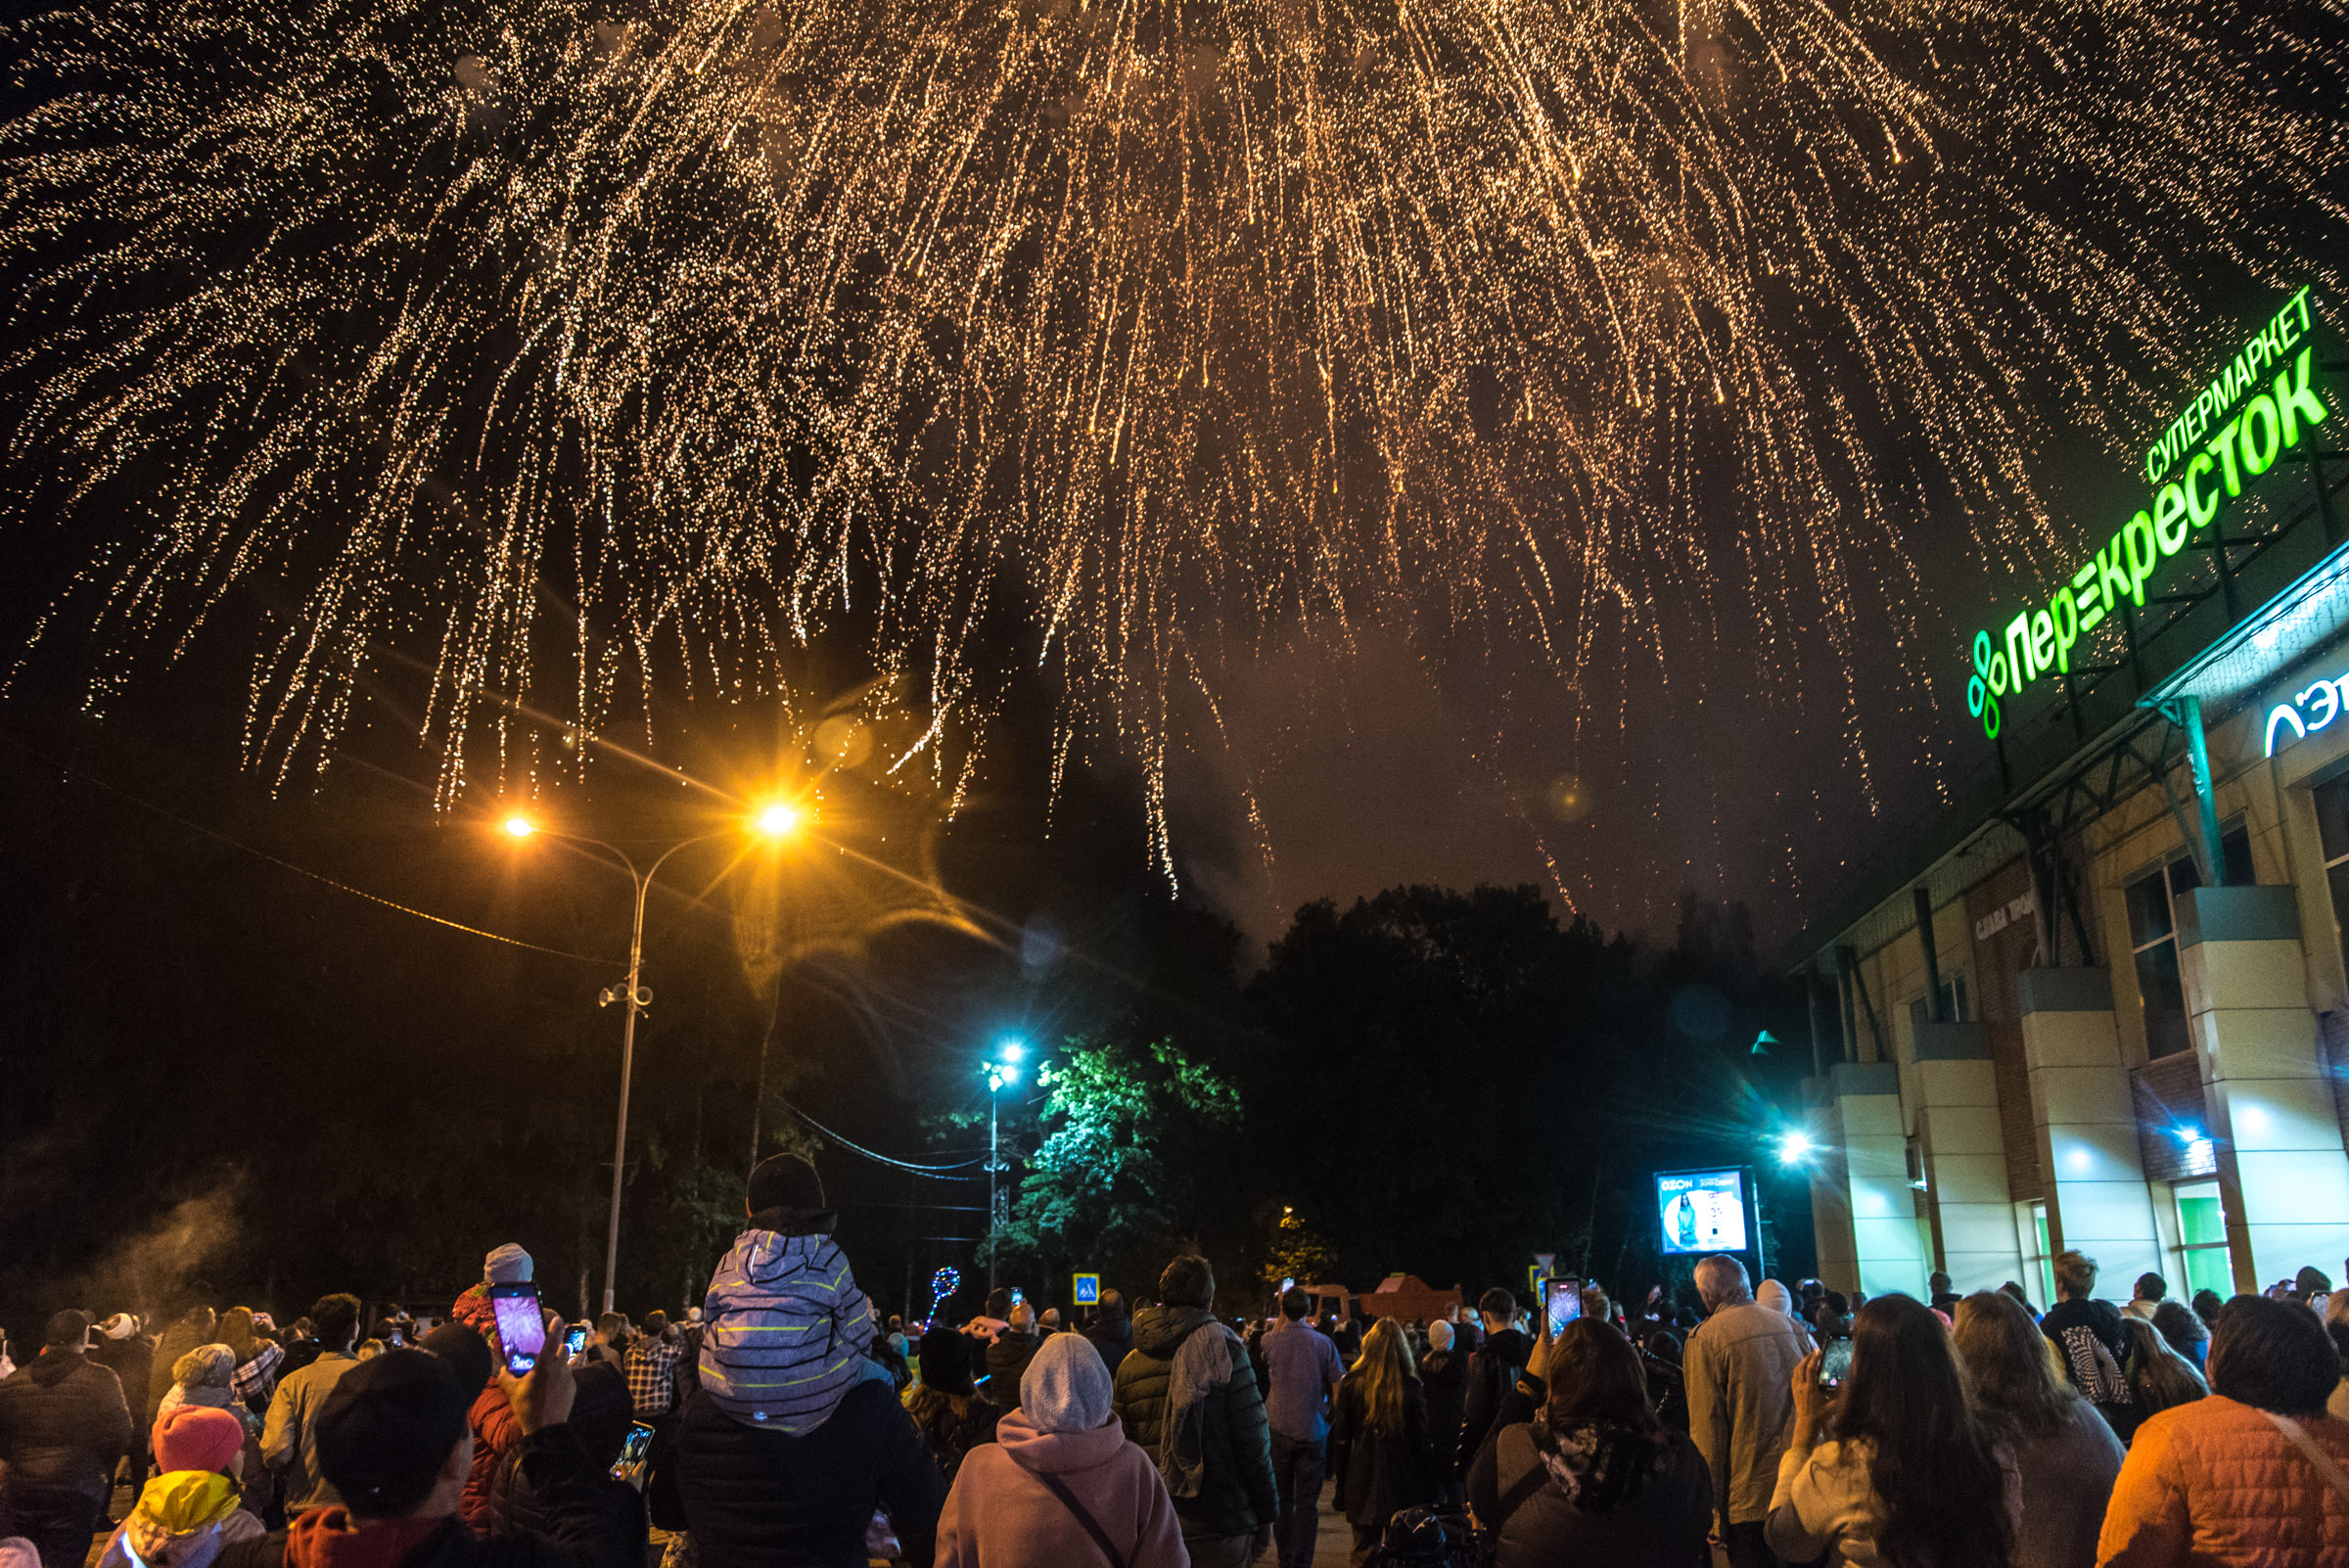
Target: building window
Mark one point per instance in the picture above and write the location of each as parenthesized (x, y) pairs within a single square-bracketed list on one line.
[(2332, 833), (2203, 1240), (2153, 938), (2043, 1263)]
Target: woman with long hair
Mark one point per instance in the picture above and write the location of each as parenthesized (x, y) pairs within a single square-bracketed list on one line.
[(1896, 1467), (2158, 1376), (2063, 1449), (1379, 1444), (257, 1359), (1595, 1477), (947, 1406)]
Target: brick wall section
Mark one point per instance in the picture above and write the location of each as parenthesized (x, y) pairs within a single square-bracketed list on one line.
[(2169, 1096)]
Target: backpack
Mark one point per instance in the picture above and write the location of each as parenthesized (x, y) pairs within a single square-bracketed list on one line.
[(1428, 1537)]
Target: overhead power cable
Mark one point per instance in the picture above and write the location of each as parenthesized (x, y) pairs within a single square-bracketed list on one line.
[(301, 870), (935, 1172)]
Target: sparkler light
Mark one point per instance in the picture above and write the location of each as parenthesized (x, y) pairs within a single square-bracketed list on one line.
[(567, 352)]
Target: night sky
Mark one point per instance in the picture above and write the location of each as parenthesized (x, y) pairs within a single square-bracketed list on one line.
[(1743, 697)]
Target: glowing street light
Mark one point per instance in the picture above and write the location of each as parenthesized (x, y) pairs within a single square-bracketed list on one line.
[(1794, 1148), (1004, 1069), (775, 821)]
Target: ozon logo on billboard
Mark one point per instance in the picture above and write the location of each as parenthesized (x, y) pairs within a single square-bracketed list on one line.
[(2255, 410)]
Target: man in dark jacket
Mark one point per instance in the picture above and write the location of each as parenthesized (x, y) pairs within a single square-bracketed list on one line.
[(393, 1440), (1112, 1332), (125, 1351), (63, 1424), (792, 1436), (1188, 1397), (1009, 1356), (1492, 1371)]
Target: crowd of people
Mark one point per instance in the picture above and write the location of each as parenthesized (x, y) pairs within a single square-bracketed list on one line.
[(785, 1424)]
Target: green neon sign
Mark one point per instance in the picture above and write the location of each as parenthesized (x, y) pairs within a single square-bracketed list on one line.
[(2266, 403)]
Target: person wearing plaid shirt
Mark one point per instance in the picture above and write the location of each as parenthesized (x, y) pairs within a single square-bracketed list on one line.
[(256, 1377), (652, 1370)]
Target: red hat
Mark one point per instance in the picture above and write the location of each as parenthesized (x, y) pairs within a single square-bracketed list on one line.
[(197, 1437)]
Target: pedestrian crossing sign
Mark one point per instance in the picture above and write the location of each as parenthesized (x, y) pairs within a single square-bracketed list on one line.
[(1088, 1290)]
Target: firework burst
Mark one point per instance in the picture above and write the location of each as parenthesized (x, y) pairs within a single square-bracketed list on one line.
[(592, 352)]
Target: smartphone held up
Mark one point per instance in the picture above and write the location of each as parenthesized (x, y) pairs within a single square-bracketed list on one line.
[(1561, 1304), (520, 1324)]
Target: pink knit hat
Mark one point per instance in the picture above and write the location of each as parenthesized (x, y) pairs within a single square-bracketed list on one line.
[(196, 1437)]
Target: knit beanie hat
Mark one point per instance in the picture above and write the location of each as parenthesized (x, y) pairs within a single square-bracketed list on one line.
[(508, 1264), (1067, 1387), (787, 1330), (1439, 1335), (205, 1366), (464, 1349), (196, 1437), (388, 1427), (785, 1195), (946, 1361)]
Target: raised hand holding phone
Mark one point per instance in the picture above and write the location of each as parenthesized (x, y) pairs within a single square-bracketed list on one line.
[(520, 1324)]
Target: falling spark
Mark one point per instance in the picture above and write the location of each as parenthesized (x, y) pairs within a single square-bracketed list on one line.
[(567, 352)]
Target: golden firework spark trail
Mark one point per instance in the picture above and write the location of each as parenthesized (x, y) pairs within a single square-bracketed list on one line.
[(533, 340)]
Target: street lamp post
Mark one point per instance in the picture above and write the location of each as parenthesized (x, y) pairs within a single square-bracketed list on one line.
[(775, 822), (1003, 1069)]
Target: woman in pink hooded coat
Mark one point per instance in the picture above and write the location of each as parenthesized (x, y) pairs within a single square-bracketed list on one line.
[(1060, 1484)]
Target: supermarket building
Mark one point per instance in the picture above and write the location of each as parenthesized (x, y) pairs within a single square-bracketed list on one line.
[(2103, 1001)]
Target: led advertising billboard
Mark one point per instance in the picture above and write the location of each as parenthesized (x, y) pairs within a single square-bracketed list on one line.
[(1703, 1211)]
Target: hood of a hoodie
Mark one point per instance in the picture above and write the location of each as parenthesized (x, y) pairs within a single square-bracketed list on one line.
[(473, 1309), (786, 1331), (54, 1366), (329, 1537), (1058, 1453), (178, 1513), (1159, 1331)]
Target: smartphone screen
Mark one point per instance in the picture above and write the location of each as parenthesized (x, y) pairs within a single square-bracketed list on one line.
[(521, 1325), (576, 1340), (1834, 1362), (1561, 1303), (638, 1445), (1016, 1297)]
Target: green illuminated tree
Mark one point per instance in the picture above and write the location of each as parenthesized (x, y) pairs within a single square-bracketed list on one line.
[(1114, 1182)]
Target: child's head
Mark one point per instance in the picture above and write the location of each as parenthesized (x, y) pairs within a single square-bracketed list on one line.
[(197, 1437)]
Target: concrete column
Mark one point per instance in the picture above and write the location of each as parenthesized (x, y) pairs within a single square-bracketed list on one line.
[(2283, 1175), (1830, 1187), (1964, 1156), (1875, 1150), (2086, 1120)]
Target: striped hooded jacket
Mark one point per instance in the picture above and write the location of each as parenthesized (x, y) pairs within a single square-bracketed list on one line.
[(787, 1332)]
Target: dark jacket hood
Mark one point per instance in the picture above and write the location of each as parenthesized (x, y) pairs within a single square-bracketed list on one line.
[(53, 1367), (1158, 1330)]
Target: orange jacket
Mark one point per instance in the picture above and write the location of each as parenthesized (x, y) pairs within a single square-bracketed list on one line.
[(2214, 1485)]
